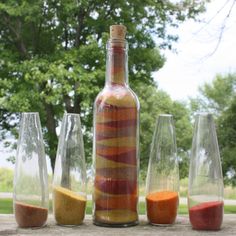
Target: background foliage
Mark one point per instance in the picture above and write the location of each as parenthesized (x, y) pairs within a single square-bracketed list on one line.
[(219, 97)]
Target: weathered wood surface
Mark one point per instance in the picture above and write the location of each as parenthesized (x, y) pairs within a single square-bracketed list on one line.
[(182, 227)]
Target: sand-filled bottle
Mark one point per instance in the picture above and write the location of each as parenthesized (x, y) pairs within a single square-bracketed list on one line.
[(69, 181), (206, 188), (116, 138), (162, 183), (30, 175)]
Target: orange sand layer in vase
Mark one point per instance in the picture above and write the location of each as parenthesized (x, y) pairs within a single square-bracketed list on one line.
[(162, 207)]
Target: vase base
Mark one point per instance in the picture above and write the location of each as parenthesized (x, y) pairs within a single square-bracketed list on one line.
[(121, 225)]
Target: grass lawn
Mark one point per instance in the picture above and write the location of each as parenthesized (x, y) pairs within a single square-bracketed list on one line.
[(6, 208)]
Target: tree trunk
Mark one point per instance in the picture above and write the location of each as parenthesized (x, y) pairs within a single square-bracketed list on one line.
[(77, 99), (52, 136)]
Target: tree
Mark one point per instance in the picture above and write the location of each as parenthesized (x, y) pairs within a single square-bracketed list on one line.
[(52, 54), (227, 140), (219, 97), (216, 96), (154, 102)]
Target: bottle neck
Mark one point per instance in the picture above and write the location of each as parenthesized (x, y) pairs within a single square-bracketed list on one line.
[(117, 63)]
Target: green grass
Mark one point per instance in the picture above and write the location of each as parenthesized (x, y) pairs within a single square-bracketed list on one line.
[(230, 209), (6, 208)]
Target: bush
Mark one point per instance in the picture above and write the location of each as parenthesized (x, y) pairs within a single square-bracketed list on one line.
[(6, 180)]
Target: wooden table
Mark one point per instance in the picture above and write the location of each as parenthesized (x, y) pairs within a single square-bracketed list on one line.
[(182, 227)]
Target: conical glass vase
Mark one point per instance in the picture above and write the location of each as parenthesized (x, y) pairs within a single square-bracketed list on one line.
[(69, 181), (205, 192), (162, 183), (30, 175)]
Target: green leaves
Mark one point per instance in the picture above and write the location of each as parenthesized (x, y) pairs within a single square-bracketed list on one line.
[(216, 96), (154, 102), (219, 97)]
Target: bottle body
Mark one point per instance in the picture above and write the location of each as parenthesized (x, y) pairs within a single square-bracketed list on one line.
[(31, 200), (205, 194), (116, 119), (115, 144), (162, 184), (69, 181)]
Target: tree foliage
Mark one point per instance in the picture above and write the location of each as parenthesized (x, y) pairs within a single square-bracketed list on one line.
[(53, 55), (227, 139), (154, 102), (215, 96), (220, 98)]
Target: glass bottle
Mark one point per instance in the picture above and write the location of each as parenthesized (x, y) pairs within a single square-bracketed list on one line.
[(69, 181), (162, 183), (116, 138), (205, 191), (30, 196)]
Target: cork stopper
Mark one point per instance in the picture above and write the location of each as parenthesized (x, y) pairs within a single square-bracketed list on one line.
[(117, 32)]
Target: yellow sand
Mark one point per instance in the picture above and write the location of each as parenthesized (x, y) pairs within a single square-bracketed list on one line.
[(116, 216), (119, 98), (102, 162), (69, 207)]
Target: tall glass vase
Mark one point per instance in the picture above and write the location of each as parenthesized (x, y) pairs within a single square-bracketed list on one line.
[(116, 138), (69, 181), (162, 183), (205, 196), (30, 176)]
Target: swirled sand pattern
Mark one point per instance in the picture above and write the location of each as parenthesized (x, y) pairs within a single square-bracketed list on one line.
[(115, 192)]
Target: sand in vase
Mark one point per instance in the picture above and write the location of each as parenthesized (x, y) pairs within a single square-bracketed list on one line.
[(162, 207), (69, 207), (27, 215)]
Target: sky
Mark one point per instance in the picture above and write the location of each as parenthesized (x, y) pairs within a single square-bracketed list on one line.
[(192, 65)]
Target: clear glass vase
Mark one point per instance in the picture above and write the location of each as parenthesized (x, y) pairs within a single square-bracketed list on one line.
[(205, 192), (116, 141), (69, 181), (162, 183), (30, 197)]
